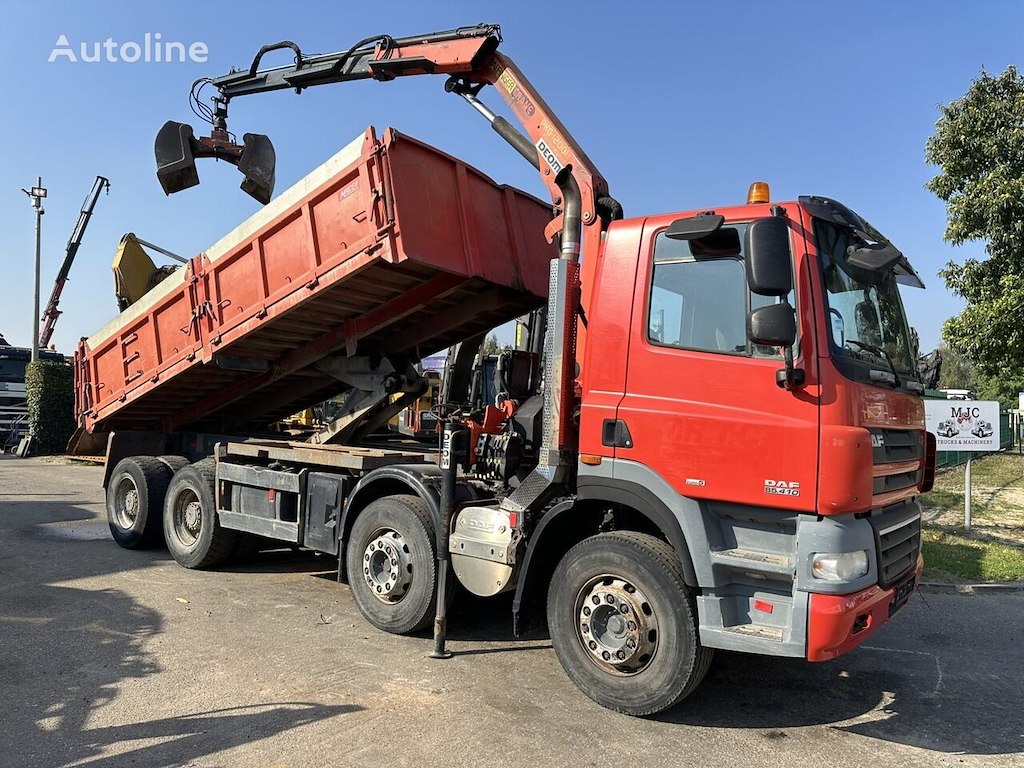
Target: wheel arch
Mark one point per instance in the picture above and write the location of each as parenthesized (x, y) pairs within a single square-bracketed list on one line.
[(644, 502), (398, 479), (633, 507)]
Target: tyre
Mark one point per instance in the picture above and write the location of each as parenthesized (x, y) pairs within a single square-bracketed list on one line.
[(135, 501), (193, 533), (623, 623), (391, 564), (174, 463)]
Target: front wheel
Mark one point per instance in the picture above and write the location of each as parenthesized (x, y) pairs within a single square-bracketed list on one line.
[(623, 623)]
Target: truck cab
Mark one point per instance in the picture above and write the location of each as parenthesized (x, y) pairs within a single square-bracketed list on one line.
[(797, 502)]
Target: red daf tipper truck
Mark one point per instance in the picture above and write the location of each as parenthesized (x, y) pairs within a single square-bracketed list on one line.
[(710, 434)]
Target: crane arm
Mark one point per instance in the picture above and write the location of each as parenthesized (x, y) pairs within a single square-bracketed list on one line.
[(380, 57), (468, 55), (51, 312)]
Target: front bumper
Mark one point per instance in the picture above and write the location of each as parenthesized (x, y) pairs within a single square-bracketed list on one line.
[(837, 624)]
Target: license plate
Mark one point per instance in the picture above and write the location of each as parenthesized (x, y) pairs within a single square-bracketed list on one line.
[(903, 592)]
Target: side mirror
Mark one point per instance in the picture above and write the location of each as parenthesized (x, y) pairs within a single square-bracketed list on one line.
[(257, 164), (772, 326), (175, 161), (769, 263)]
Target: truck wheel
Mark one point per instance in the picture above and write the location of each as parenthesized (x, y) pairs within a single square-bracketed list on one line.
[(174, 463), (135, 499), (193, 532), (623, 623), (391, 564)]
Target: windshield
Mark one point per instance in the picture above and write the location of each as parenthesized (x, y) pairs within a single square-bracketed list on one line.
[(12, 370), (866, 317)]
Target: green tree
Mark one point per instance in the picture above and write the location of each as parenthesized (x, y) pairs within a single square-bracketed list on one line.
[(978, 146), (50, 391), (491, 346), (1004, 388), (957, 371)]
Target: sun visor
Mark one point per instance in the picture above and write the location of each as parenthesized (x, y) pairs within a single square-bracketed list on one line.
[(837, 213)]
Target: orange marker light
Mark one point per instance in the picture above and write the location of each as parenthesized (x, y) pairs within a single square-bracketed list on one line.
[(590, 459), (758, 193)]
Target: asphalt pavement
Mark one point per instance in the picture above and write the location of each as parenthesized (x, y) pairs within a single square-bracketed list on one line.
[(117, 658)]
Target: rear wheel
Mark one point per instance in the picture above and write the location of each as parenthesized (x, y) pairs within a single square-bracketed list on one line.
[(174, 463), (391, 564), (135, 500), (194, 535), (623, 623)]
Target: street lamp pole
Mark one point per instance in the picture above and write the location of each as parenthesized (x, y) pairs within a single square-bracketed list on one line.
[(36, 195)]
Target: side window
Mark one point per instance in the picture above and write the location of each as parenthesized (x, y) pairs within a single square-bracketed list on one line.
[(666, 313), (698, 296), (699, 305)]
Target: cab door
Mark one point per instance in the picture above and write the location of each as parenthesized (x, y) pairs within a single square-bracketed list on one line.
[(701, 405)]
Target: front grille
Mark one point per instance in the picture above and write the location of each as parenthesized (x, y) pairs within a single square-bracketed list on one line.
[(897, 542), (886, 483), (896, 445), (892, 446)]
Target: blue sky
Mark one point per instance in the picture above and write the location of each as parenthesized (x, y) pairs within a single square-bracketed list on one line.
[(681, 105)]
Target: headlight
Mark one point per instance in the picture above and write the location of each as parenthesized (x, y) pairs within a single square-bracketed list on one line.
[(839, 566)]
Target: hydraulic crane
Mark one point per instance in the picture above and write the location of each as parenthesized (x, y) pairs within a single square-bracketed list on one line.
[(468, 55), (51, 313)]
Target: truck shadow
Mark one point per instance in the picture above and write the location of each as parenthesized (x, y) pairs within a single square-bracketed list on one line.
[(894, 694), (67, 651), (884, 693)]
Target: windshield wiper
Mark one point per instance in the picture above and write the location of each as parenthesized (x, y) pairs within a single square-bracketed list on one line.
[(881, 353)]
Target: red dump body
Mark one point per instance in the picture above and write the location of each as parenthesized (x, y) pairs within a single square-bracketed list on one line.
[(391, 246)]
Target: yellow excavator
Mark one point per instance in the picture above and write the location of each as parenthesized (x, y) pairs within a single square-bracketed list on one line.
[(135, 273)]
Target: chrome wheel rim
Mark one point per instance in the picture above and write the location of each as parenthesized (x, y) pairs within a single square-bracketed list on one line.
[(126, 503), (616, 624), (188, 517), (387, 566)]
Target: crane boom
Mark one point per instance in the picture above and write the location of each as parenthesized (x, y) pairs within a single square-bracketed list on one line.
[(51, 313), (468, 55)]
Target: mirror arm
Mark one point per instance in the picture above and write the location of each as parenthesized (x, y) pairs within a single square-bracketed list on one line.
[(790, 377)]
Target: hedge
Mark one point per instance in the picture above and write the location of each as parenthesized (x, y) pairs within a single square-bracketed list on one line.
[(50, 391)]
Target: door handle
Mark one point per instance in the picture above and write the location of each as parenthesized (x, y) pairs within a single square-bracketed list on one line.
[(615, 434)]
